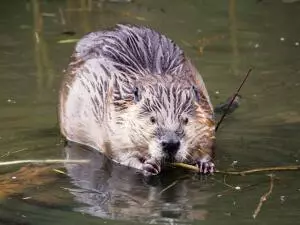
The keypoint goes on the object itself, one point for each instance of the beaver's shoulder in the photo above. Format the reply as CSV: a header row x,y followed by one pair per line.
x,y
132,48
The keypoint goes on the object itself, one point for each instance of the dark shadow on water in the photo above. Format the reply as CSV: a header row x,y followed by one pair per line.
x,y
108,190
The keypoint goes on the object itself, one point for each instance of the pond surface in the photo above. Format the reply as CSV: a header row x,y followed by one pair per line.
x,y
223,39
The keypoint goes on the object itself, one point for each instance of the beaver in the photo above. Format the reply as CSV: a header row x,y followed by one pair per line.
x,y
132,94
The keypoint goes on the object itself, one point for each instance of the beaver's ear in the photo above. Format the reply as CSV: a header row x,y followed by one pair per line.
x,y
201,99
197,94
136,94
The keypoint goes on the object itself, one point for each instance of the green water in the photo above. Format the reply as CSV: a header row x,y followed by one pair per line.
x,y
223,39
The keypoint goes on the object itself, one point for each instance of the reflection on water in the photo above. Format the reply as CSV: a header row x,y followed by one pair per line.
x,y
116,192
223,39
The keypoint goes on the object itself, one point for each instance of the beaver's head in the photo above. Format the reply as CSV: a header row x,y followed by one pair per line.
x,y
171,118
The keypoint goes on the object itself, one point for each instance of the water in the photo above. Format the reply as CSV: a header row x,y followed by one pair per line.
x,y
223,39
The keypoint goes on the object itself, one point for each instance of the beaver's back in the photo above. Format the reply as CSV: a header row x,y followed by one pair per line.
x,y
127,54
137,50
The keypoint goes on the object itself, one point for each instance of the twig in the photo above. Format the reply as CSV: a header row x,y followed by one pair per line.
x,y
186,166
9,153
224,183
59,171
62,17
232,100
241,173
163,190
168,187
264,169
264,197
67,41
46,161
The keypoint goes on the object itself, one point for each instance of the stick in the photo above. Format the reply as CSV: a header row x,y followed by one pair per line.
x,y
168,187
232,100
241,173
264,197
9,153
46,161
62,17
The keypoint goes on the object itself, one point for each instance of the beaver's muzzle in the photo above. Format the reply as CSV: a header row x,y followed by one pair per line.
x,y
170,144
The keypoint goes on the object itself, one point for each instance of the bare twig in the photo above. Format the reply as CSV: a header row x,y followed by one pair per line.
x,y
62,17
264,197
186,166
225,183
233,98
67,41
10,153
241,173
264,169
168,187
46,161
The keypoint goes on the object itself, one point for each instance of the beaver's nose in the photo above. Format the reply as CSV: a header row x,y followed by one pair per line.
x,y
170,146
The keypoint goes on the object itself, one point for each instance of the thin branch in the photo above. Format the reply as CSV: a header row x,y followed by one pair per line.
x,y
62,17
224,183
242,173
264,197
168,187
46,161
264,169
10,153
233,98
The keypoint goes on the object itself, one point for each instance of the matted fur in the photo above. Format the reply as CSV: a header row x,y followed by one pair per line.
x,y
117,80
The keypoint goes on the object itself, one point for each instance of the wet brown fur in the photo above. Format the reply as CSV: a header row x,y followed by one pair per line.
x,y
115,96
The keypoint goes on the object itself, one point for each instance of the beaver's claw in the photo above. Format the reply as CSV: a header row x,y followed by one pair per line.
x,y
151,167
205,166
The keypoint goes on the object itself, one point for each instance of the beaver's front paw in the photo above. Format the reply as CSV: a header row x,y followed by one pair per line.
x,y
205,166
151,167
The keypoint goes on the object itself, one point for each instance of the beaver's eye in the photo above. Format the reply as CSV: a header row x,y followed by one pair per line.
x,y
152,119
185,121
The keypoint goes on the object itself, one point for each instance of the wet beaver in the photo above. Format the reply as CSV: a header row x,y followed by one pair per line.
x,y
132,94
